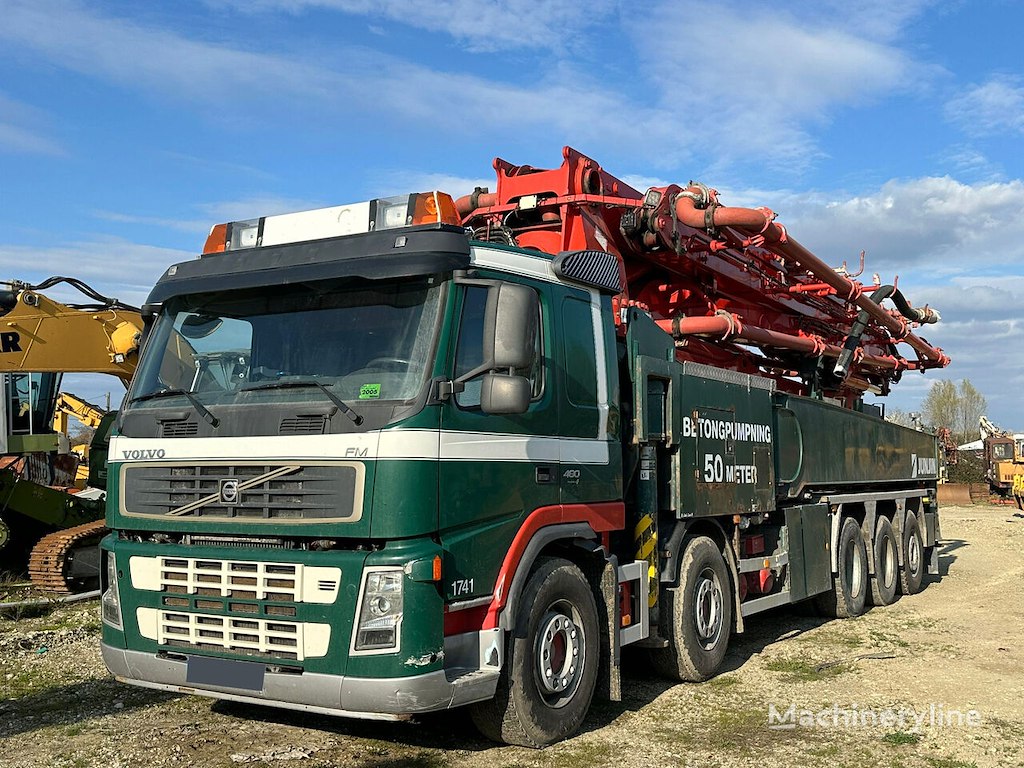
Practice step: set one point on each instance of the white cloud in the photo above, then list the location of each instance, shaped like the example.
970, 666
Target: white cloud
400, 181
21, 130
995, 106
491, 26
355, 81
113, 266
684, 102
938, 223
776, 74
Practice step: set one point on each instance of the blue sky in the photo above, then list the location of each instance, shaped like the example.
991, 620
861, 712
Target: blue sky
127, 129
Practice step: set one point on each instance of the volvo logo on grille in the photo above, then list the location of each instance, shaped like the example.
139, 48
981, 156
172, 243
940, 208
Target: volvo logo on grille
228, 491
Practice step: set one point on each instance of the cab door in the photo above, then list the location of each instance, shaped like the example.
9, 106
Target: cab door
494, 469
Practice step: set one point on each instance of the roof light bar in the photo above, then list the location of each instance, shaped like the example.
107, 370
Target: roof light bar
337, 221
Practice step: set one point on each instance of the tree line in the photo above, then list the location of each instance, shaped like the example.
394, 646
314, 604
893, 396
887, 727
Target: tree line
957, 407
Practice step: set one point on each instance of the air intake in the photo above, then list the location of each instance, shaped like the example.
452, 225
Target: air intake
178, 428
303, 425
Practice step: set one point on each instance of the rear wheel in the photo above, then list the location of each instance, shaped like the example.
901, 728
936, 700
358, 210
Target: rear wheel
912, 573
849, 592
887, 566
699, 611
550, 672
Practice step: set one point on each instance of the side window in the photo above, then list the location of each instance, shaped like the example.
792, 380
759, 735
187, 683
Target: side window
469, 350
578, 338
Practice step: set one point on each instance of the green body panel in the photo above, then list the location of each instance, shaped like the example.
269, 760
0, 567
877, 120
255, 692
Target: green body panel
810, 565
404, 500
823, 446
725, 455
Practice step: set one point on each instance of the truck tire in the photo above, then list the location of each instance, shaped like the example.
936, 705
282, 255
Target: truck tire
887, 565
912, 572
850, 586
700, 614
550, 671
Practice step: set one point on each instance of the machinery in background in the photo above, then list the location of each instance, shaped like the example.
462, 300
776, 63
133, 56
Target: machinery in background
70, 407
1003, 452
49, 520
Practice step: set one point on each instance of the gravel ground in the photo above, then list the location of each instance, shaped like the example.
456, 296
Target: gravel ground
949, 656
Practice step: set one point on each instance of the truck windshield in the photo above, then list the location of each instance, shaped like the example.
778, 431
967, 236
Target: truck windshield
365, 343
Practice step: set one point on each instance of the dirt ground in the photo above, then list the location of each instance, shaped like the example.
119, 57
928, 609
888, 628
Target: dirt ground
948, 661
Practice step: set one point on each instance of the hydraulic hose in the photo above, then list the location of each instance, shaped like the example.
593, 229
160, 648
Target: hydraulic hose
923, 315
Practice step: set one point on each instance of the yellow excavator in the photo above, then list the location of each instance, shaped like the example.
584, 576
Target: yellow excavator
45, 521
1004, 461
68, 407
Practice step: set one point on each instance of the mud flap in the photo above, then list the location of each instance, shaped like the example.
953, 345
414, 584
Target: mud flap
609, 679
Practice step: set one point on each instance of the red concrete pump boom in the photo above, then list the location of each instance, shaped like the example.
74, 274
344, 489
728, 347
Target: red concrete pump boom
730, 284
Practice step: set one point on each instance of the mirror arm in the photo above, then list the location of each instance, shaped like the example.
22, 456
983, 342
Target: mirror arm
485, 367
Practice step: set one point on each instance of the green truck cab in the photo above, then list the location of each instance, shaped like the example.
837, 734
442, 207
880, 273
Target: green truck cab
396, 470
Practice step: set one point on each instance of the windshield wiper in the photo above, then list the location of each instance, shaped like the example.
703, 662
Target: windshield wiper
290, 383
202, 409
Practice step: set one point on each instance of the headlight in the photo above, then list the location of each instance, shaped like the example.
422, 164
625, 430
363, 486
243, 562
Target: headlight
110, 602
380, 611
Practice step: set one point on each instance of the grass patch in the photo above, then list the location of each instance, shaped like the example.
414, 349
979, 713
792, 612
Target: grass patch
950, 762
798, 670
826, 750
897, 738
26, 681
878, 637
723, 681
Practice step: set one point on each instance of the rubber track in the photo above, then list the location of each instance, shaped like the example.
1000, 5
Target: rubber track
48, 562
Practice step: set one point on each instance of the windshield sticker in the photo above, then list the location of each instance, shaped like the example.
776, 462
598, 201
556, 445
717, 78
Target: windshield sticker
369, 392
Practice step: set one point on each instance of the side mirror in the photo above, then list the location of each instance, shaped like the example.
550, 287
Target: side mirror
502, 393
510, 326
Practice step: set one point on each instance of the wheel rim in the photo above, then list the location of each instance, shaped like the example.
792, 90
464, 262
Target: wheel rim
854, 568
707, 606
887, 563
914, 554
560, 651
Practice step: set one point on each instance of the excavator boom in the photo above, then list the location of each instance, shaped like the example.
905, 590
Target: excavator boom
46, 336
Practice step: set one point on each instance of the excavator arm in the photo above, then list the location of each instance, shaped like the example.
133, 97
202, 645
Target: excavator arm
69, 405
42, 335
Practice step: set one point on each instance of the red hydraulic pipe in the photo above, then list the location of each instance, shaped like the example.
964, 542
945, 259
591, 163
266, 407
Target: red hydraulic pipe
480, 198
729, 326
696, 207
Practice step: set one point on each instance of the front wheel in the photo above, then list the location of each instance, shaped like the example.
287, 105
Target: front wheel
700, 613
550, 672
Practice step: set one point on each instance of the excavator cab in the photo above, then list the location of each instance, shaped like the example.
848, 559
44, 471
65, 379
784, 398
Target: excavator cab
27, 413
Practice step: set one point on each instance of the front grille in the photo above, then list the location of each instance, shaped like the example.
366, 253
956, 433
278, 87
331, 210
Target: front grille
263, 638
315, 492
235, 580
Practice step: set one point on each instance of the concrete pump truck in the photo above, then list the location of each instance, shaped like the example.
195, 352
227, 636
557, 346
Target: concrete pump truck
436, 452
